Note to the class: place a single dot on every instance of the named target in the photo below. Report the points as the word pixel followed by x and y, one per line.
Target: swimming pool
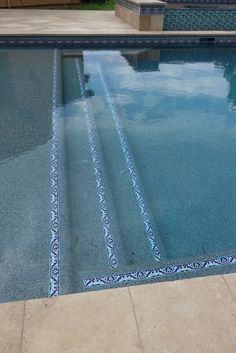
pixel 117 167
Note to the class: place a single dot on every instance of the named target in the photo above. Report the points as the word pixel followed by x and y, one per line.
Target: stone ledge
pixel 144 15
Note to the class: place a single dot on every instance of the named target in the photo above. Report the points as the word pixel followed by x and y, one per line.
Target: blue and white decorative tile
pixel 54 263
pixel 152 274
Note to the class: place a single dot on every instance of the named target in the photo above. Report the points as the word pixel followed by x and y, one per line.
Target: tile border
pixel 101 41
pixel 169 270
pixel 54 260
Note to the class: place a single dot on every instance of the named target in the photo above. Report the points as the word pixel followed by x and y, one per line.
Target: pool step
pixel 139 194
pixel 98 173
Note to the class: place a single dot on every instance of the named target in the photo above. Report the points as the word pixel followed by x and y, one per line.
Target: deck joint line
pixel 54 262
pixel 151 234
pixel 106 225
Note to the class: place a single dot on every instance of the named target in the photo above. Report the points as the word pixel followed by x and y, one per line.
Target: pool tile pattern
pixel 141 9
pixel 159 272
pixel 199 19
pixel 114 41
pixel 54 277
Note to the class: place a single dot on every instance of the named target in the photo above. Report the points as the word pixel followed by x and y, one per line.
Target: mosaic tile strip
pixel 199 19
pixel 225 41
pixel 148 10
pixel 54 262
pixel 198 54
pixel 141 9
pixel 106 224
pixel 100 41
pixel 151 235
pixel 159 272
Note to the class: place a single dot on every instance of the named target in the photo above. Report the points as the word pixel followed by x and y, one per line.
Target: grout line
pixel 23 327
pixel 136 320
pixel 229 288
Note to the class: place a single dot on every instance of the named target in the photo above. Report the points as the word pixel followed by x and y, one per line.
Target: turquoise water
pixel 117 167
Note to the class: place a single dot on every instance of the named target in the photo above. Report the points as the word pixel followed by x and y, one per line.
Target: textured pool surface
pixel 118 167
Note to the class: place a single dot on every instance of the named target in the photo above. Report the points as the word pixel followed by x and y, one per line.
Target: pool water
pixel 118 167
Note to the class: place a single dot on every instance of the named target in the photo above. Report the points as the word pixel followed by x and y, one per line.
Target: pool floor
pixel 117 167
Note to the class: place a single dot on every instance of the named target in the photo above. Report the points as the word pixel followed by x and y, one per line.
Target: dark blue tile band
pixel 102 41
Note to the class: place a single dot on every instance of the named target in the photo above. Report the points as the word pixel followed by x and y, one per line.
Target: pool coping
pixel 151 318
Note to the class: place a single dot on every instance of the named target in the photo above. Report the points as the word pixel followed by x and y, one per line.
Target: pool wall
pixel 199 19
pixel 178 15
pixel 120 41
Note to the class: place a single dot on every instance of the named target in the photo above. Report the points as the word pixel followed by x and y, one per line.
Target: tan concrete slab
pixel 95 322
pixel 231 282
pixel 197 316
pixel 11 325
pixel 61 22
pixel 75 22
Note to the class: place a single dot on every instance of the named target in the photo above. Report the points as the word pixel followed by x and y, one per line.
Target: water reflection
pixel 25 83
pixel 146 60
pixel 149 60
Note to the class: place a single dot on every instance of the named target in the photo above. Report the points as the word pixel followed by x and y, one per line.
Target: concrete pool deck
pixel 194 315
pixel 74 22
